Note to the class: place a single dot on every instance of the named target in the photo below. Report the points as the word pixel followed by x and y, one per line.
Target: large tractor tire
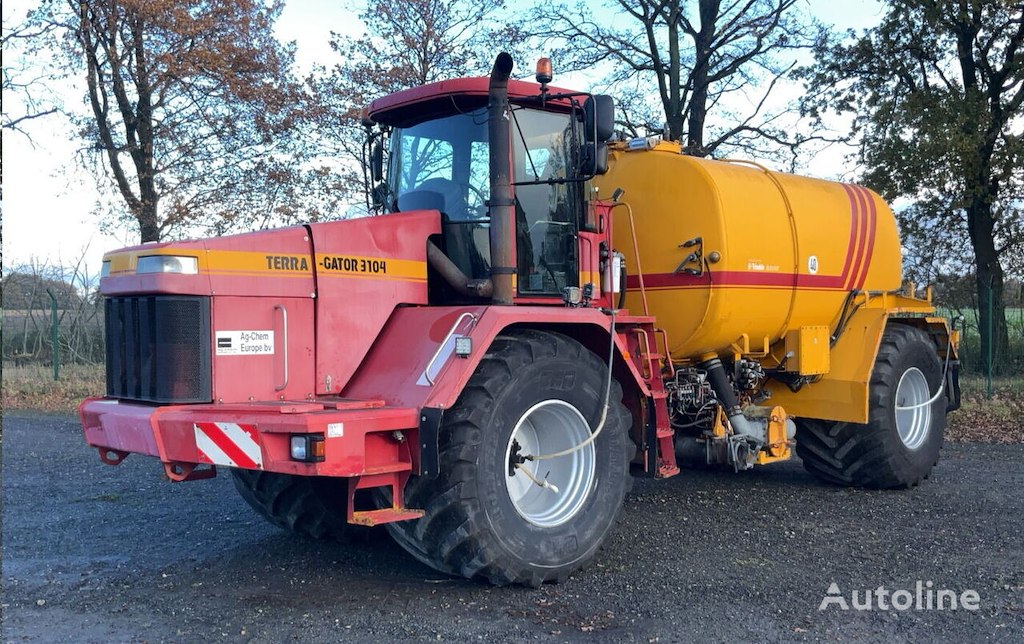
pixel 900 443
pixel 533 393
pixel 311 506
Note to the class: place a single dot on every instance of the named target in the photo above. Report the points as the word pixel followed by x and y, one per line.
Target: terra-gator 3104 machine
pixel 539 311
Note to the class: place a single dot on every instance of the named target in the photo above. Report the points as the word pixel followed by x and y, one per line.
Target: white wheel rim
pixel 913 417
pixel 546 428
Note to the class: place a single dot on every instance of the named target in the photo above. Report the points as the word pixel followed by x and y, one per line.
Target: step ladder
pixel 653 363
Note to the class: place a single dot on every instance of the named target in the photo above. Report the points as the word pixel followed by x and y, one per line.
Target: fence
pixel 27 333
pixel 973 360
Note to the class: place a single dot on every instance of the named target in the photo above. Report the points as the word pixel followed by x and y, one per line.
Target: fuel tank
pixel 732 256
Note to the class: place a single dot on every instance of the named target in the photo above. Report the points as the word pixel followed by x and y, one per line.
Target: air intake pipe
pixel 501 206
pixel 452 274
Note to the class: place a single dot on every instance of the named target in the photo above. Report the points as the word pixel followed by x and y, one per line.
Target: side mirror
pixel 379 195
pixel 593 159
pixel 377 162
pixel 598 118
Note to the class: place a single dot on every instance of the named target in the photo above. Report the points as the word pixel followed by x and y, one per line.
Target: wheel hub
pixel 549 427
pixel 913 417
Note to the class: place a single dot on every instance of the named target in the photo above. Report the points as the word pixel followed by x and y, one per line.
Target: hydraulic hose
pixel 942 385
pixel 604 412
pixel 723 390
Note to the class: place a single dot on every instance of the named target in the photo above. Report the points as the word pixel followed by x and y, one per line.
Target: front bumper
pixel 363 437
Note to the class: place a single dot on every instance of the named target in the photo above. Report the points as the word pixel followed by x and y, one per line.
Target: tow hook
pixel 178 472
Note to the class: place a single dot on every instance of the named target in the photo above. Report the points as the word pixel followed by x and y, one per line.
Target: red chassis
pixel 346 351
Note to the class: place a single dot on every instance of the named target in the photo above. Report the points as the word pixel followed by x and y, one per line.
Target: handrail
pixel 668 357
pixel 284 351
pixel 636 254
pixel 440 348
pixel 645 353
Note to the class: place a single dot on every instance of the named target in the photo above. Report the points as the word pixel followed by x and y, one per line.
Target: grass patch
pixel 996 420
pixel 32 387
pixel 999 419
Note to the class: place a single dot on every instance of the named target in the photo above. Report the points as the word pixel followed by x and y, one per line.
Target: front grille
pixel 158 348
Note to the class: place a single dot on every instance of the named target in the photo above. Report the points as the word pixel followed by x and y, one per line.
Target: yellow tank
pixel 768 252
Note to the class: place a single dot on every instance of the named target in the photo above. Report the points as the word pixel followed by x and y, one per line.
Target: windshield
pixel 442 164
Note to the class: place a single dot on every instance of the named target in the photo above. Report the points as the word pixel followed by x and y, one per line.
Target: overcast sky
pixel 48 200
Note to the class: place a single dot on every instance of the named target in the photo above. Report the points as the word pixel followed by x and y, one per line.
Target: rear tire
pixel 308 505
pixel 544 390
pixel 896 448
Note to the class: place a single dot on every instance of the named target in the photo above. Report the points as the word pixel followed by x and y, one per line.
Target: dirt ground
pixel 93 553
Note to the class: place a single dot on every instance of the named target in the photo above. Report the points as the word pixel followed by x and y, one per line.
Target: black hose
pixel 721 386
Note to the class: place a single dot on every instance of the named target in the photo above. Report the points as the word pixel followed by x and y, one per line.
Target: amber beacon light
pixel 544 75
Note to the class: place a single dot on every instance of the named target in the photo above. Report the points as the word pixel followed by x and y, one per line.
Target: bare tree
pixel 26 290
pixel 23 80
pixel 192 109
pixel 695 56
pixel 406 44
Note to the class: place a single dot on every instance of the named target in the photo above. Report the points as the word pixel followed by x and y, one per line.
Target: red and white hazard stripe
pixel 229 444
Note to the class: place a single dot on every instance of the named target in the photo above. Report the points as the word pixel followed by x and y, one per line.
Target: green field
pixel 1014 318
pixel 971 359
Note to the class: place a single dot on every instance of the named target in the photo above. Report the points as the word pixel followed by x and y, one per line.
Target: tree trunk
pixel 989 284
pixel 674 108
pixel 110 64
pixel 142 152
pixel 698 109
pixel 149 228
pixel 982 185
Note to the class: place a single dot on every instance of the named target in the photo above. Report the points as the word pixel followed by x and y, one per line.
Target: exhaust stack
pixel 501 207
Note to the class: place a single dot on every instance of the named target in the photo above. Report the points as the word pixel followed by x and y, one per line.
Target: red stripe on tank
pixel 871 226
pixel 858 250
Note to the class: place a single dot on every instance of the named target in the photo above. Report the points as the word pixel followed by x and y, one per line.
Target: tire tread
pixel 863 455
pixel 450 536
pixel 298 504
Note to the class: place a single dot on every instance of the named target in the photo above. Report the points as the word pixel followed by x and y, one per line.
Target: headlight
pixel 308 448
pixel 168 264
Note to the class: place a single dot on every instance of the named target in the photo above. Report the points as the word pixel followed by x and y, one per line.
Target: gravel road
pixel 93 553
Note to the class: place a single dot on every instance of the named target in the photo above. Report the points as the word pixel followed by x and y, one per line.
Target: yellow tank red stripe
pixel 855 228
pixel 859 204
pixel 863 221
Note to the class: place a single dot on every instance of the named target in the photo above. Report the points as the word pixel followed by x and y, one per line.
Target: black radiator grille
pixel 158 348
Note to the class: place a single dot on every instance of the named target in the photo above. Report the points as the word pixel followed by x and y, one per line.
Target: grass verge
pixel 999 419
pixel 32 387
pixel 996 420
